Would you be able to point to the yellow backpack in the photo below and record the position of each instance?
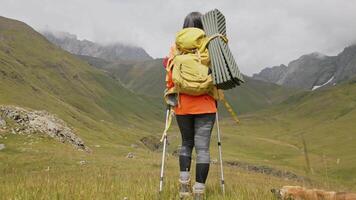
(190, 76)
(190, 64)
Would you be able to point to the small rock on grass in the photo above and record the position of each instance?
(130, 155)
(2, 122)
(82, 162)
(2, 146)
(214, 161)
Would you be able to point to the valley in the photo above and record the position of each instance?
(112, 104)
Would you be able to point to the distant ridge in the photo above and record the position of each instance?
(313, 71)
(112, 52)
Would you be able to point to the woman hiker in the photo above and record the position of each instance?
(195, 117)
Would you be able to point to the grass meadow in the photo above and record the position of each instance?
(40, 168)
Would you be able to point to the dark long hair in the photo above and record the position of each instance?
(193, 19)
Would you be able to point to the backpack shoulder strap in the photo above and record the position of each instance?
(205, 44)
(170, 60)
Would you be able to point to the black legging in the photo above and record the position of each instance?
(196, 131)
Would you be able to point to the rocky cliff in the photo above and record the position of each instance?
(313, 71)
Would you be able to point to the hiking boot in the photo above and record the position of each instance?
(199, 191)
(198, 194)
(184, 188)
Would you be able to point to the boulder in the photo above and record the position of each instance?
(151, 142)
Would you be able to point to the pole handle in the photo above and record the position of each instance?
(169, 115)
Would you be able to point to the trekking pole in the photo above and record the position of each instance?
(164, 137)
(220, 154)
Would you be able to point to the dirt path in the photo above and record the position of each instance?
(278, 142)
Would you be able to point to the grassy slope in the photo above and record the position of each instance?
(326, 118)
(255, 95)
(149, 77)
(36, 74)
(94, 61)
(36, 170)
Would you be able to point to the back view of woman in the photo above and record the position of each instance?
(195, 117)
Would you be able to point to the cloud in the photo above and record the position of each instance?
(261, 33)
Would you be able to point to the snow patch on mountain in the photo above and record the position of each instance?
(319, 86)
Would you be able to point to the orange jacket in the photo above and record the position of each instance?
(189, 104)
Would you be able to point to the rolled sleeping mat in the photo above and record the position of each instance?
(226, 74)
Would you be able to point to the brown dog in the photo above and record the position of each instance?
(300, 193)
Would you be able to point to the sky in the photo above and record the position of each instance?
(261, 33)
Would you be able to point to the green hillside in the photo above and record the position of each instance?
(148, 78)
(325, 118)
(255, 95)
(36, 74)
(94, 61)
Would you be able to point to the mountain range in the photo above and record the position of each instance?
(309, 72)
(111, 52)
(313, 71)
